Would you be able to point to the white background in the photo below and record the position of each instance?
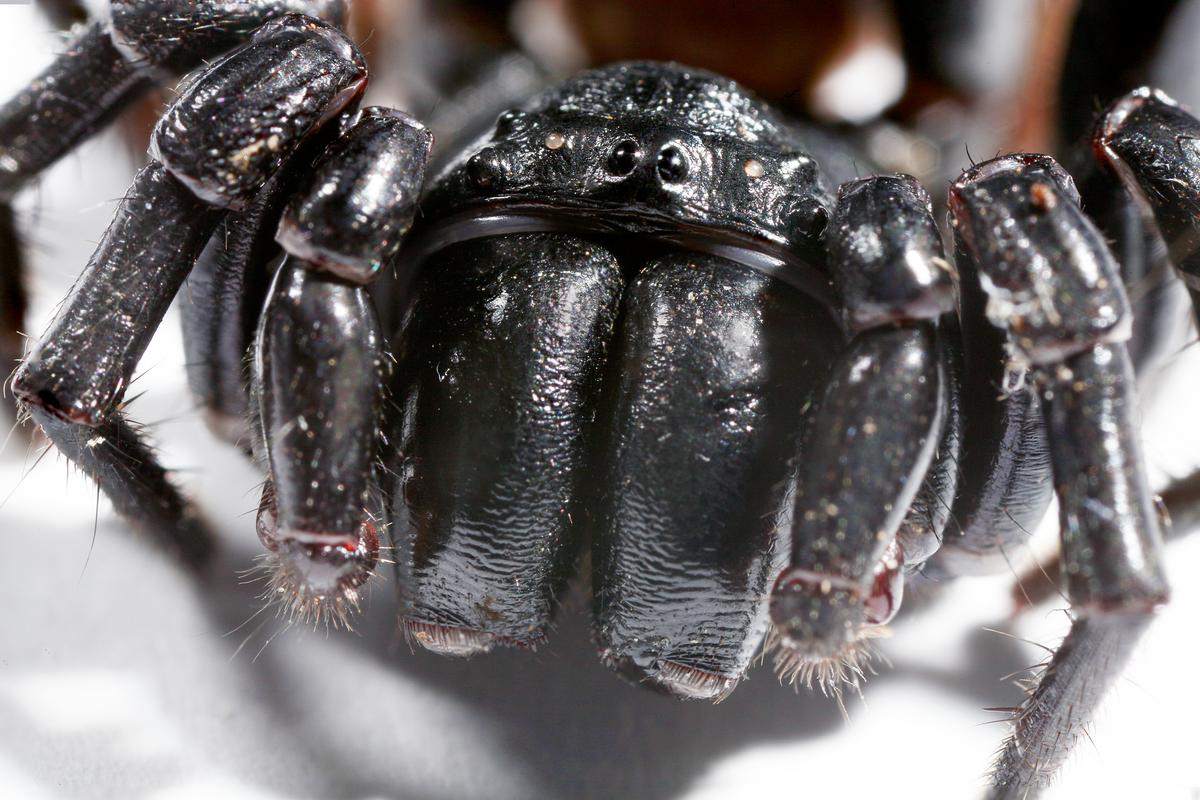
(120, 677)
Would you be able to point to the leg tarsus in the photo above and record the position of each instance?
(1070, 689)
(117, 457)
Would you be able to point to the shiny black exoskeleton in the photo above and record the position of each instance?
(611, 340)
(638, 326)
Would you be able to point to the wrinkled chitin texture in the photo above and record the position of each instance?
(83, 363)
(237, 122)
(220, 307)
(886, 253)
(1005, 483)
(179, 35)
(1154, 145)
(500, 365)
(115, 456)
(921, 533)
(657, 147)
(869, 446)
(65, 104)
(1112, 546)
(716, 365)
(319, 367)
(362, 199)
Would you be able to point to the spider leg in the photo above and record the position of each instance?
(1055, 290)
(105, 68)
(117, 457)
(225, 295)
(1004, 485)
(222, 302)
(1180, 500)
(83, 363)
(1150, 142)
(1109, 54)
(109, 64)
(320, 368)
(75, 96)
(13, 298)
(80, 91)
(204, 148)
(874, 433)
(1143, 151)
(1155, 292)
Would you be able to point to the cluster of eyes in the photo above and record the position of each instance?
(672, 164)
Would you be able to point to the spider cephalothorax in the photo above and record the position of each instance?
(649, 149)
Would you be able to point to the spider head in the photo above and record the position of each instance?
(645, 149)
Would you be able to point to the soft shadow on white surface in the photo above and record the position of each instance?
(120, 677)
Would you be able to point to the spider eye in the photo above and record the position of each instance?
(809, 219)
(509, 122)
(672, 164)
(484, 169)
(624, 158)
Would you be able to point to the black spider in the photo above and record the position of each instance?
(637, 315)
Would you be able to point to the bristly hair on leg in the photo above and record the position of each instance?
(848, 668)
(290, 587)
(294, 601)
(1067, 690)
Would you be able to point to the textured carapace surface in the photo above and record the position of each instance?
(655, 149)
